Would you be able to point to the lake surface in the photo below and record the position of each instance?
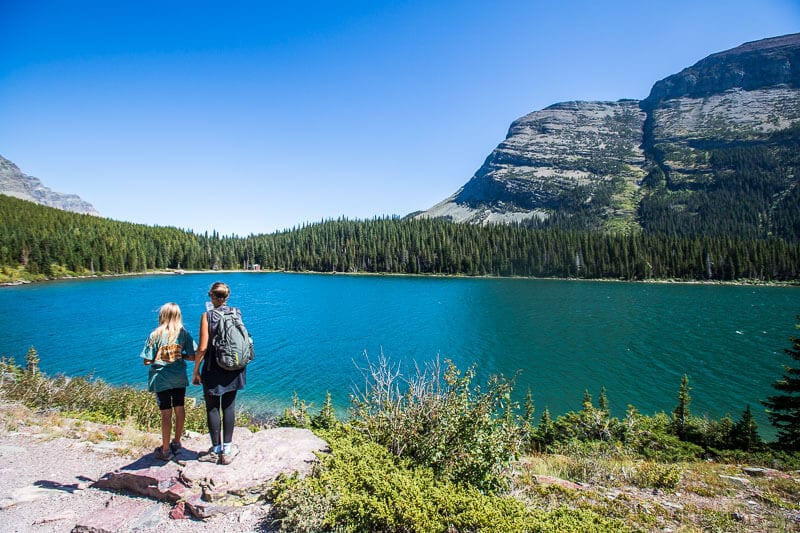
(312, 333)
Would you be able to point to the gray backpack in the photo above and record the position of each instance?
(233, 345)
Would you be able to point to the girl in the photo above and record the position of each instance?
(164, 351)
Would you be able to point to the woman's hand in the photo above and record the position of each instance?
(196, 379)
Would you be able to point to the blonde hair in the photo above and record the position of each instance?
(170, 324)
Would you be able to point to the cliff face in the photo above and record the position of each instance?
(733, 98)
(14, 183)
(765, 63)
(597, 156)
(547, 155)
(685, 128)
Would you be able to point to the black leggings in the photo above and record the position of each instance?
(228, 404)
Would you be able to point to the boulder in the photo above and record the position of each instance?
(208, 488)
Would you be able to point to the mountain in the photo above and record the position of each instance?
(713, 149)
(13, 182)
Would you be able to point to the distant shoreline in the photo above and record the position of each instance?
(179, 272)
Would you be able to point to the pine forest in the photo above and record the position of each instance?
(47, 242)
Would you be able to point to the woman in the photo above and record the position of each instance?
(219, 385)
(164, 351)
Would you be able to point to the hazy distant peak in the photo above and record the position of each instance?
(13, 182)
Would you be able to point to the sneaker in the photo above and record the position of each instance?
(175, 447)
(162, 455)
(209, 457)
(227, 458)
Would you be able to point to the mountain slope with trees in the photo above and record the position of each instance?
(713, 150)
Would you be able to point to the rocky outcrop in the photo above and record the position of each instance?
(685, 128)
(209, 488)
(751, 66)
(13, 182)
(576, 156)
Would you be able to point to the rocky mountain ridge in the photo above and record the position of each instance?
(608, 158)
(13, 182)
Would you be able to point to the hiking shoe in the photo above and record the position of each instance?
(175, 447)
(227, 458)
(209, 457)
(162, 455)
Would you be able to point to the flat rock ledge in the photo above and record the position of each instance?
(206, 489)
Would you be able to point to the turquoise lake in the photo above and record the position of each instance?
(313, 332)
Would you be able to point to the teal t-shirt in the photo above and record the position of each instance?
(168, 370)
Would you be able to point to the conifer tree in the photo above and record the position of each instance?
(529, 409)
(32, 360)
(528, 428)
(745, 433)
(680, 415)
(546, 429)
(326, 418)
(783, 409)
(587, 401)
(602, 401)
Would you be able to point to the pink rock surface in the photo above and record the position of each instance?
(209, 488)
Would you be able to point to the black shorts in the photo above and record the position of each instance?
(171, 398)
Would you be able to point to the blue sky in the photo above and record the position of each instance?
(251, 117)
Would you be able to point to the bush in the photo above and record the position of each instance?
(362, 486)
(295, 416)
(650, 438)
(90, 399)
(439, 420)
(326, 418)
(657, 475)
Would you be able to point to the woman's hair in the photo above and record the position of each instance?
(169, 324)
(220, 290)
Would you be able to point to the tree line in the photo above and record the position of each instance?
(39, 239)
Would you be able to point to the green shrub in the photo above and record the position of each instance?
(439, 420)
(295, 416)
(588, 424)
(90, 399)
(651, 438)
(657, 475)
(326, 418)
(362, 486)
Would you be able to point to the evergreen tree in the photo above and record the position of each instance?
(745, 433)
(587, 401)
(326, 418)
(783, 409)
(546, 430)
(680, 415)
(602, 401)
(527, 419)
(529, 409)
(32, 360)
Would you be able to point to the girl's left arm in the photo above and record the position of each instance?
(147, 353)
(201, 350)
(188, 346)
